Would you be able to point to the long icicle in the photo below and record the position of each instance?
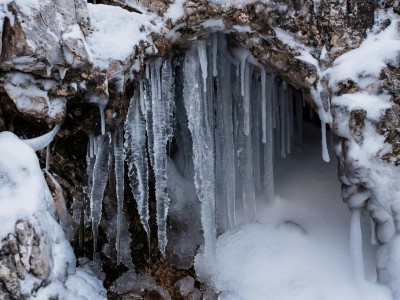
(269, 145)
(203, 150)
(100, 177)
(136, 157)
(356, 250)
(160, 104)
(202, 50)
(119, 158)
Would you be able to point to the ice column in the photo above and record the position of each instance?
(119, 158)
(203, 149)
(136, 157)
(100, 178)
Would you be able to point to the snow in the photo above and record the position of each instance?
(22, 184)
(115, 32)
(372, 104)
(379, 49)
(238, 2)
(175, 11)
(299, 247)
(21, 179)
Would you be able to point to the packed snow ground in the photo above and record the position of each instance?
(299, 248)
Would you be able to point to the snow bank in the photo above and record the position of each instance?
(24, 195)
(116, 31)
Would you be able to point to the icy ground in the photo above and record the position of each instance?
(299, 248)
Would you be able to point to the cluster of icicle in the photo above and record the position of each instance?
(239, 117)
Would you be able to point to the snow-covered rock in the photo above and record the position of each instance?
(36, 260)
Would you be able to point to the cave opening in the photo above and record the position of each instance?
(225, 164)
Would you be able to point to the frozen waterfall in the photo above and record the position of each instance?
(220, 118)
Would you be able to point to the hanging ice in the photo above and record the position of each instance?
(100, 177)
(118, 145)
(162, 95)
(102, 107)
(202, 50)
(325, 153)
(356, 250)
(43, 141)
(136, 157)
(203, 150)
(268, 148)
(225, 87)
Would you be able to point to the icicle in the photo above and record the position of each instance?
(202, 50)
(119, 158)
(161, 97)
(268, 147)
(147, 99)
(225, 158)
(136, 157)
(203, 151)
(100, 177)
(263, 106)
(356, 245)
(373, 233)
(215, 53)
(246, 99)
(91, 145)
(48, 70)
(47, 158)
(299, 122)
(102, 107)
(325, 153)
(142, 98)
(289, 118)
(62, 71)
(95, 146)
(256, 130)
(274, 105)
(42, 141)
(263, 97)
(282, 109)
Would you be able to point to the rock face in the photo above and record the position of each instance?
(59, 59)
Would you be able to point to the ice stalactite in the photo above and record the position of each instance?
(202, 50)
(269, 145)
(356, 245)
(325, 152)
(136, 157)
(223, 118)
(228, 132)
(119, 158)
(47, 158)
(299, 122)
(373, 240)
(101, 170)
(43, 141)
(102, 107)
(162, 96)
(282, 110)
(203, 149)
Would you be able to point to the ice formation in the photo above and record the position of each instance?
(119, 161)
(101, 170)
(237, 123)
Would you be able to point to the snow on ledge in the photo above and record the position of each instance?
(116, 31)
